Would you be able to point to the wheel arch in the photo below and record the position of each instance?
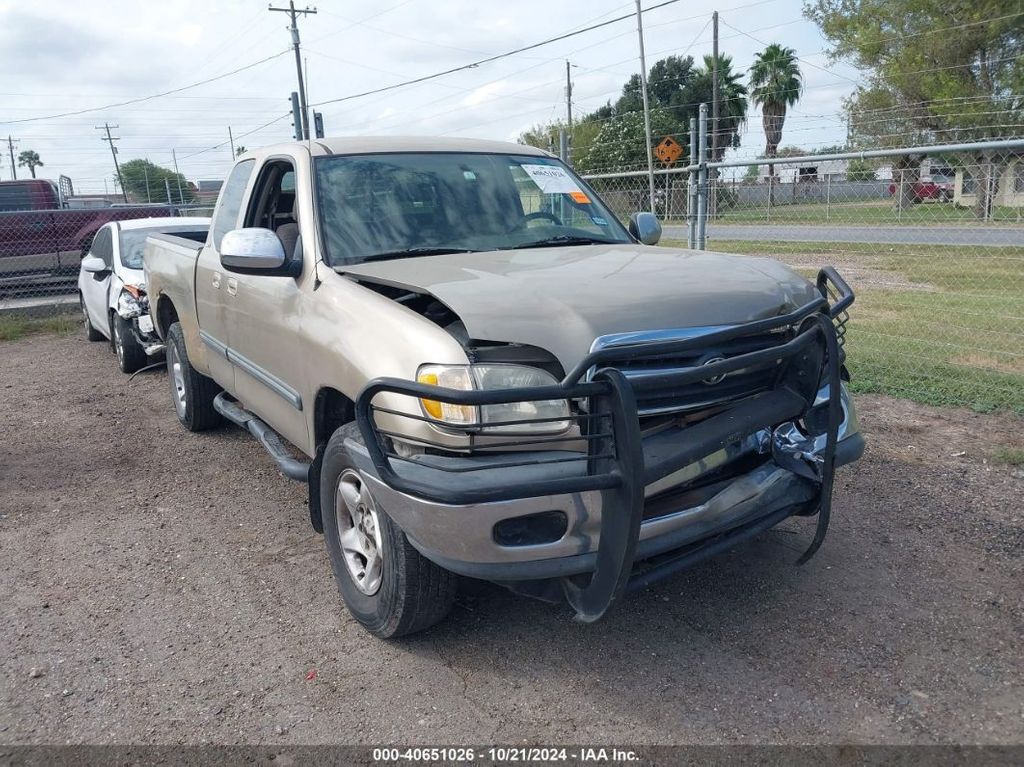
(331, 410)
(166, 314)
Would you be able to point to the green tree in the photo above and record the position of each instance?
(620, 143)
(144, 181)
(860, 170)
(775, 85)
(29, 159)
(936, 72)
(732, 102)
(676, 89)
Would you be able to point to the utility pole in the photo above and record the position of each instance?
(294, 29)
(14, 166)
(713, 176)
(231, 139)
(568, 94)
(647, 107)
(714, 87)
(113, 153)
(177, 175)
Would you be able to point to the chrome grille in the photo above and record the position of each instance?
(703, 394)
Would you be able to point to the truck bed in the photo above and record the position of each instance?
(169, 263)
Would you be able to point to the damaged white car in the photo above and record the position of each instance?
(112, 286)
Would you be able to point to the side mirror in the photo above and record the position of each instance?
(645, 227)
(94, 265)
(256, 251)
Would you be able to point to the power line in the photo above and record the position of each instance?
(146, 98)
(239, 136)
(497, 57)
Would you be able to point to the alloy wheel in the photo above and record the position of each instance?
(359, 532)
(177, 379)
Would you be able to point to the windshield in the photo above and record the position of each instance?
(133, 243)
(420, 204)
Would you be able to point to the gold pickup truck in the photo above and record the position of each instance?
(479, 371)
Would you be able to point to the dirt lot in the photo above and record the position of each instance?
(164, 587)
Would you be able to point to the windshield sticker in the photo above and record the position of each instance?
(552, 179)
(599, 221)
(469, 175)
(580, 197)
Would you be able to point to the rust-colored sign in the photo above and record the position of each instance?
(668, 151)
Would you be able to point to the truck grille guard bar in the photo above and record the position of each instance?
(616, 461)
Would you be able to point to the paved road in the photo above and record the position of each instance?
(1002, 236)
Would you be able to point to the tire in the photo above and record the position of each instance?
(406, 592)
(191, 393)
(130, 354)
(91, 333)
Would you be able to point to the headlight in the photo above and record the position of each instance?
(130, 305)
(547, 416)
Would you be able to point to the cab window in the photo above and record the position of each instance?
(230, 203)
(273, 197)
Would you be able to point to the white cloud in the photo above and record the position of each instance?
(65, 56)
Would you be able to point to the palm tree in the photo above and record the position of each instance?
(29, 159)
(776, 84)
(240, 150)
(732, 101)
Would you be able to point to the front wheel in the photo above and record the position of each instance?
(191, 392)
(387, 585)
(131, 357)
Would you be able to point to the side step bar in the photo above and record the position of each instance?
(270, 439)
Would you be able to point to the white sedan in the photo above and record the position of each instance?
(112, 286)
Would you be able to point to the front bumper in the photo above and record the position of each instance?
(636, 507)
(460, 537)
(136, 312)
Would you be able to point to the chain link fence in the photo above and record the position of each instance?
(930, 238)
(41, 250)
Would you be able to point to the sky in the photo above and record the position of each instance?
(64, 56)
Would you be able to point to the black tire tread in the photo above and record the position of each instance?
(134, 355)
(200, 414)
(425, 592)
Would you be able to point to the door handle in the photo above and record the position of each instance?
(216, 280)
(232, 286)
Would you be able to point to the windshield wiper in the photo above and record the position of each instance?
(563, 239)
(412, 252)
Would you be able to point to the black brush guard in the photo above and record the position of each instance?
(616, 460)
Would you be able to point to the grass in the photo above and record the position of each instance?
(872, 212)
(1013, 456)
(13, 327)
(942, 325)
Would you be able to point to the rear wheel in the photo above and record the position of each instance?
(191, 393)
(90, 332)
(130, 354)
(387, 585)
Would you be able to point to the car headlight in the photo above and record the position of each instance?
(532, 416)
(131, 303)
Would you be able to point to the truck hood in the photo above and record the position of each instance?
(561, 299)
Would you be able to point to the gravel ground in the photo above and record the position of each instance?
(164, 587)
